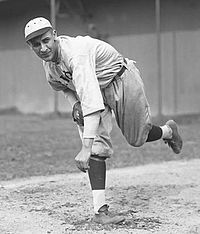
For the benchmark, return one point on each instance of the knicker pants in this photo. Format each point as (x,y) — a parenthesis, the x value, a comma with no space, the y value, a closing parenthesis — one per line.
(126,97)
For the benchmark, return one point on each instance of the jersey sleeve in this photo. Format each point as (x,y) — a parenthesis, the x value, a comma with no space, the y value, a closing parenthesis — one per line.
(86,84)
(71,96)
(56,85)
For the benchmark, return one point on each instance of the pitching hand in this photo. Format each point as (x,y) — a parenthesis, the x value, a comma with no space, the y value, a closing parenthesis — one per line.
(82,159)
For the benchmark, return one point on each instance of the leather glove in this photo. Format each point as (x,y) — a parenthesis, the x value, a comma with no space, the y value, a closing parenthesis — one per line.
(77,114)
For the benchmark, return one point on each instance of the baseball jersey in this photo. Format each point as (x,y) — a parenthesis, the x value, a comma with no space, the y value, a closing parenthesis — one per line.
(85,66)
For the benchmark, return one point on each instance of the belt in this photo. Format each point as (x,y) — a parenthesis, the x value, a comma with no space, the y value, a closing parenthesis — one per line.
(122,70)
(119,73)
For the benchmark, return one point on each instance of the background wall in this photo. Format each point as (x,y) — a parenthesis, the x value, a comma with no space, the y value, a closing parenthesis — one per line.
(130,28)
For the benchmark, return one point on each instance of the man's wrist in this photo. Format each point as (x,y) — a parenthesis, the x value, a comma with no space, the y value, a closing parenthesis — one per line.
(87,143)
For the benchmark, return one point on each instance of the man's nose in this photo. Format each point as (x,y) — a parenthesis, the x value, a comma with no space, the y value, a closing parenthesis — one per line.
(43,47)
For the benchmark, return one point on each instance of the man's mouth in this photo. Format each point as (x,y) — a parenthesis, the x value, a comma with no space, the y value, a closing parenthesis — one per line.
(45,55)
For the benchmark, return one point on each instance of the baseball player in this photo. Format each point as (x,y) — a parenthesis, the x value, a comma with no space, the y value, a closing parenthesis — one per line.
(97,79)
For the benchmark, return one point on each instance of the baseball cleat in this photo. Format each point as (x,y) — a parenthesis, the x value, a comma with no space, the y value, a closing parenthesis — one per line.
(104,217)
(175,142)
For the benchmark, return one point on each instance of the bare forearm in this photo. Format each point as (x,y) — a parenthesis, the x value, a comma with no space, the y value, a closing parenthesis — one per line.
(87,143)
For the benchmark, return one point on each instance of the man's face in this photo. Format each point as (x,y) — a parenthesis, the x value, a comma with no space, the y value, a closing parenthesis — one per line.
(45,46)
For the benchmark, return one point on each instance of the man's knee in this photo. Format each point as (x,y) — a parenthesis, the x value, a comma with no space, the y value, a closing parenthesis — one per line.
(140,137)
(137,143)
(98,158)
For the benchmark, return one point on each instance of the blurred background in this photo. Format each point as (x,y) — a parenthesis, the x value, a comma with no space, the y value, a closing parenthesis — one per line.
(162,36)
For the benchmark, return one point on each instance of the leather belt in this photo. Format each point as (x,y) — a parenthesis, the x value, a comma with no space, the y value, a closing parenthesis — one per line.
(122,70)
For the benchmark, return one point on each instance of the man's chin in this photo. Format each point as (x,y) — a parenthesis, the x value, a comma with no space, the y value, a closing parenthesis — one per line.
(47,59)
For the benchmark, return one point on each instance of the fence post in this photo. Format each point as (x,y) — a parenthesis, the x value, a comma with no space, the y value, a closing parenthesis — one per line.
(53,22)
(159,62)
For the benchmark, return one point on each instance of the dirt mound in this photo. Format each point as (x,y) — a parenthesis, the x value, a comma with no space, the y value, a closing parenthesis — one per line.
(162,198)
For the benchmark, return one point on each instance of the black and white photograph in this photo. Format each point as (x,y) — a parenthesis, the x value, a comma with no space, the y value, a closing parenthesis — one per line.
(99,117)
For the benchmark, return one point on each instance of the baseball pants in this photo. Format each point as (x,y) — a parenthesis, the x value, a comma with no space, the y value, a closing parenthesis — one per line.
(125,95)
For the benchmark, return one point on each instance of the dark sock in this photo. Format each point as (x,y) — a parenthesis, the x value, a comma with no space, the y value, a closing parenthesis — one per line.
(154,134)
(97,172)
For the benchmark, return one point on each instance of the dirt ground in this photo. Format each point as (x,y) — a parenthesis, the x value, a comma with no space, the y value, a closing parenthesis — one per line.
(42,191)
(162,198)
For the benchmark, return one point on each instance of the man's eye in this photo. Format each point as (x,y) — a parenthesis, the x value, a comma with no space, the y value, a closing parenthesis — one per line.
(46,40)
(36,44)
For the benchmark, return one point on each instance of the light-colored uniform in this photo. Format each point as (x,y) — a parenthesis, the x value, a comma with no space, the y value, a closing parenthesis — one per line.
(86,71)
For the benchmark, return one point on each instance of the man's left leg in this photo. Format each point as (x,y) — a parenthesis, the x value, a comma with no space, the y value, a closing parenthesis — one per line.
(127,98)
(97,176)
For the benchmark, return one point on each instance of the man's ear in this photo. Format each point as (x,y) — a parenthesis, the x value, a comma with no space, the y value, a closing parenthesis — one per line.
(54,34)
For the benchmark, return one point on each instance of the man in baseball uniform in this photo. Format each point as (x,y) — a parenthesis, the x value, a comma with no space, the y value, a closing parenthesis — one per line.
(97,79)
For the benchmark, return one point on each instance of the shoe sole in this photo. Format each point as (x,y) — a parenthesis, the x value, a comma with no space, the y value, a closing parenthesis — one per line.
(111,221)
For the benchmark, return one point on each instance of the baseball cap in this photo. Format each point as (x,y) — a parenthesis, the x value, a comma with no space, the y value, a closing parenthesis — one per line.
(36,27)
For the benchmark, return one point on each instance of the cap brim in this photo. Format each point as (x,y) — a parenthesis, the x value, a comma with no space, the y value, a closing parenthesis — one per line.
(37,33)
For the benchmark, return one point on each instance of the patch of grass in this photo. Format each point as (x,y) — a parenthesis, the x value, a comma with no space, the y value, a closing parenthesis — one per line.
(33,145)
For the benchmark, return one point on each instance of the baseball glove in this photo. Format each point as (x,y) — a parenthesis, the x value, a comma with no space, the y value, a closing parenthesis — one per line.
(77,114)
